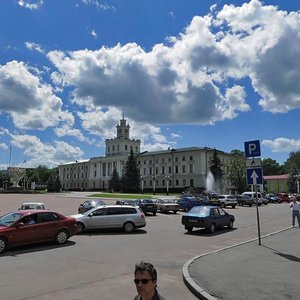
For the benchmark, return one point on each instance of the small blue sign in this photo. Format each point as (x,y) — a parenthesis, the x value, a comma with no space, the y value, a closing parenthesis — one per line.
(254,176)
(252,148)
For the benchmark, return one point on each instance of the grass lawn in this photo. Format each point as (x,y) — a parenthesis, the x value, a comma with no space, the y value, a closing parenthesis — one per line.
(127,196)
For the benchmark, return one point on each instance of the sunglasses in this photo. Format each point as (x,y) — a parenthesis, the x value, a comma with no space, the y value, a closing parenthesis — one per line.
(143,281)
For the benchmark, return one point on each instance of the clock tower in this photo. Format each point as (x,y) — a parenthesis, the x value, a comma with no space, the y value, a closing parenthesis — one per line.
(122,144)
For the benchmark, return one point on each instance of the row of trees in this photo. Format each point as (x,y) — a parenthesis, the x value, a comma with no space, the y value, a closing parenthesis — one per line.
(41,175)
(237,176)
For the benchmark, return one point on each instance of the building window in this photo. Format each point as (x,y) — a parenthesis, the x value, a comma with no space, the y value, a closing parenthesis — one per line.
(183,158)
(191,168)
(191,157)
(95,174)
(156,170)
(183,169)
(176,159)
(176,169)
(150,171)
(162,170)
(177,182)
(170,170)
(144,162)
(191,182)
(125,147)
(156,161)
(150,182)
(150,161)
(184,182)
(169,159)
(144,171)
(113,148)
(163,182)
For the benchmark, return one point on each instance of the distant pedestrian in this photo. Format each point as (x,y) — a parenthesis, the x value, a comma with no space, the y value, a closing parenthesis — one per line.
(295,206)
(145,279)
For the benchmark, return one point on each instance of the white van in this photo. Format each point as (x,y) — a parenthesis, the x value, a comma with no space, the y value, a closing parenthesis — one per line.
(260,199)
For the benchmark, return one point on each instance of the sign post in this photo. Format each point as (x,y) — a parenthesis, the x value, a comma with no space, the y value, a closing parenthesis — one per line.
(254,173)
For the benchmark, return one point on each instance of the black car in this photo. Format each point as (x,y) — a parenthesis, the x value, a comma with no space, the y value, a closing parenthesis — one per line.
(89,204)
(187,202)
(208,217)
(147,206)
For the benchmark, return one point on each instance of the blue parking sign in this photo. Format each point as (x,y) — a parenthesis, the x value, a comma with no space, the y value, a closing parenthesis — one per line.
(254,176)
(252,148)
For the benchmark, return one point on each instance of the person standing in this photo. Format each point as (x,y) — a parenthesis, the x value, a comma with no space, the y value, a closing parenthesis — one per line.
(295,206)
(145,279)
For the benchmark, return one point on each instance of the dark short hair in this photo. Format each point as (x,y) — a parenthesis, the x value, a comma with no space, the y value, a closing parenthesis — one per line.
(146,267)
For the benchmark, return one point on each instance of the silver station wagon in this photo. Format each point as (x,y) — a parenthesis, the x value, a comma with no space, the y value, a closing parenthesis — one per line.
(124,217)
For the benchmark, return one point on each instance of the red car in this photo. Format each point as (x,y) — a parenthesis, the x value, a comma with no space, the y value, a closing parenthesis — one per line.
(284,197)
(28,227)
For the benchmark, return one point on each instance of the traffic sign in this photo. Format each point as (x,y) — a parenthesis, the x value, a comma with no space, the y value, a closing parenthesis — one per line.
(254,176)
(252,148)
(253,162)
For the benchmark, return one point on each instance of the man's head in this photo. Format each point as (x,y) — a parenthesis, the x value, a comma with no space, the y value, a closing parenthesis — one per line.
(145,279)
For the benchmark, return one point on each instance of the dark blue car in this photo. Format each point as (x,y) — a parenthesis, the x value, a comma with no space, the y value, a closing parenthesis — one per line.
(187,202)
(208,217)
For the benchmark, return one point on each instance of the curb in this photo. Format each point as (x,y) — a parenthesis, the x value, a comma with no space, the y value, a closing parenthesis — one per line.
(197,290)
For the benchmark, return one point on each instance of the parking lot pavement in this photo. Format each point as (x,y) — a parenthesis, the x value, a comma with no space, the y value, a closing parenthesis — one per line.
(249,270)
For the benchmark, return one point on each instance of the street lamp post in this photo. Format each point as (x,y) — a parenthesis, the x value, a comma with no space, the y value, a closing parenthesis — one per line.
(142,183)
(154,183)
(167,179)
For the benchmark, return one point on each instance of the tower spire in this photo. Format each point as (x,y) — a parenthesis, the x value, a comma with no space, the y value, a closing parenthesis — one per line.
(123,114)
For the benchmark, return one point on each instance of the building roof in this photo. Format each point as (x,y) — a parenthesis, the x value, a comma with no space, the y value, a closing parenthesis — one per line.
(276,177)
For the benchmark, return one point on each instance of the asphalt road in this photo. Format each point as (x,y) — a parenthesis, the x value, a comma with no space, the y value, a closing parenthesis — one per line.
(99,265)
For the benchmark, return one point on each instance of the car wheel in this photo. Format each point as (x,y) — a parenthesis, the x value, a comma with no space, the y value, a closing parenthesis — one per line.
(80,228)
(212,228)
(61,237)
(250,205)
(233,206)
(128,227)
(154,213)
(175,211)
(189,228)
(3,245)
(230,224)
(222,205)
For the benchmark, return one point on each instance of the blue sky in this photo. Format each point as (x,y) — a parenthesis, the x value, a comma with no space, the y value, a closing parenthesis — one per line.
(186,72)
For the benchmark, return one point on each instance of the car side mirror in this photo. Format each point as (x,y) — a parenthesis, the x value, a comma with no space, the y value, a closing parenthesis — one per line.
(91,214)
(20,224)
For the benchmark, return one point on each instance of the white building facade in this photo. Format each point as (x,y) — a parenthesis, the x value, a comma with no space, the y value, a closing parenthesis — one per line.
(170,170)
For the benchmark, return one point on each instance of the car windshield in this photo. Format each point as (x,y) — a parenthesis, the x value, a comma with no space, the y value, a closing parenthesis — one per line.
(147,201)
(202,211)
(10,218)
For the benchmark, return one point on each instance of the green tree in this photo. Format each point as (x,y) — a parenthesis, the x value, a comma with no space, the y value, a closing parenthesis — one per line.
(293,162)
(236,171)
(41,174)
(271,167)
(292,181)
(53,183)
(216,170)
(114,182)
(131,179)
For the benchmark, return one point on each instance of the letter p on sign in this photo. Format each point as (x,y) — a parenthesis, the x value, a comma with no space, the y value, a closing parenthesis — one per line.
(252,148)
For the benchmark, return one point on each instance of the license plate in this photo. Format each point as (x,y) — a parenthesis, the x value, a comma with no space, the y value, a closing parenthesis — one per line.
(193,221)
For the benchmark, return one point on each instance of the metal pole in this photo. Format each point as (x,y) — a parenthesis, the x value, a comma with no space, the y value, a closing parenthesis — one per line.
(257,216)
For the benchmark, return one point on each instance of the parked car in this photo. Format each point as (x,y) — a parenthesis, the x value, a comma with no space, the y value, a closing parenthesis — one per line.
(147,206)
(34,226)
(127,202)
(284,197)
(260,199)
(272,198)
(89,204)
(166,205)
(32,205)
(244,200)
(187,202)
(124,217)
(227,200)
(208,217)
